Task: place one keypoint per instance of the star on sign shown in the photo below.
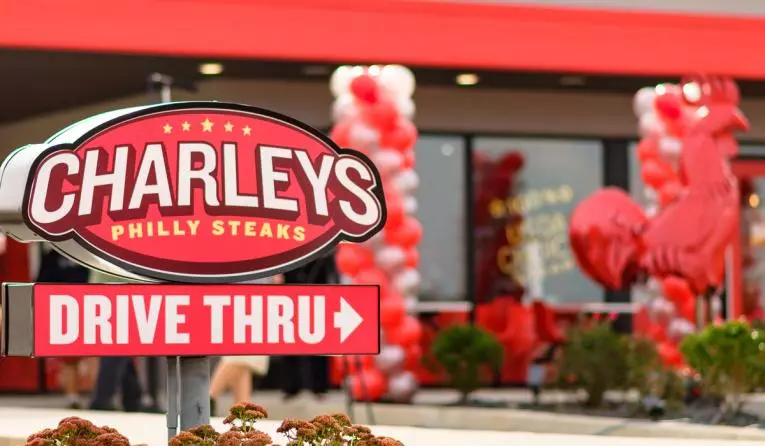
(167, 128)
(207, 125)
(185, 126)
(246, 130)
(228, 126)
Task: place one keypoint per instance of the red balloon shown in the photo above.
(657, 333)
(395, 212)
(402, 137)
(412, 258)
(382, 115)
(669, 192)
(369, 385)
(364, 88)
(669, 106)
(371, 276)
(407, 334)
(341, 132)
(677, 291)
(669, 354)
(408, 234)
(351, 259)
(413, 357)
(392, 311)
(647, 149)
(409, 160)
(687, 310)
(511, 163)
(656, 173)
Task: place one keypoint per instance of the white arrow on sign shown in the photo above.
(347, 320)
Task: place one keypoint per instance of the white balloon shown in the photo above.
(405, 106)
(679, 328)
(652, 210)
(407, 181)
(398, 80)
(407, 281)
(670, 147)
(390, 257)
(363, 137)
(344, 107)
(643, 101)
(661, 307)
(402, 387)
(650, 125)
(387, 160)
(650, 195)
(391, 358)
(374, 242)
(340, 82)
(653, 286)
(410, 205)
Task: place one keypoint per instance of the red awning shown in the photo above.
(416, 32)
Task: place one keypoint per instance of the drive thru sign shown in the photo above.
(205, 194)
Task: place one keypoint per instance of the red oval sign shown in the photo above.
(204, 192)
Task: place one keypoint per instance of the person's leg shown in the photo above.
(68, 379)
(241, 385)
(292, 375)
(110, 371)
(132, 393)
(319, 374)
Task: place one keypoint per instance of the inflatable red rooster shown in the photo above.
(618, 244)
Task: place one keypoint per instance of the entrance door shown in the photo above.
(746, 260)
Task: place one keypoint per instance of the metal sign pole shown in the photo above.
(195, 391)
(172, 396)
(187, 377)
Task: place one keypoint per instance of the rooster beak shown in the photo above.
(739, 120)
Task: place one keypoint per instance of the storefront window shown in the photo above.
(441, 210)
(637, 188)
(525, 190)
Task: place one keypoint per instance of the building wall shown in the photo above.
(438, 109)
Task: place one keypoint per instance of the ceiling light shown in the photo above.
(210, 69)
(316, 70)
(573, 81)
(467, 79)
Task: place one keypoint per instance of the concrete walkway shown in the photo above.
(17, 423)
(432, 412)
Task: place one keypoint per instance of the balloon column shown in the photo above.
(372, 112)
(678, 241)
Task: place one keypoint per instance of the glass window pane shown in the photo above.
(522, 217)
(637, 187)
(752, 149)
(441, 210)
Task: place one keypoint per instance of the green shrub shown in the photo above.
(465, 353)
(730, 360)
(595, 359)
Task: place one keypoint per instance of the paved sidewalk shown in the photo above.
(16, 424)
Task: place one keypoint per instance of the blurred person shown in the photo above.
(116, 372)
(237, 373)
(310, 372)
(55, 268)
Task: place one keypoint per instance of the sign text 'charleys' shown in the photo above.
(199, 191)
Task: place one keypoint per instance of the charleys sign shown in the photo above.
(196, 192)
(191, 192)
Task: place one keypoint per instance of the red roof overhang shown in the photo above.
(416, 32)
